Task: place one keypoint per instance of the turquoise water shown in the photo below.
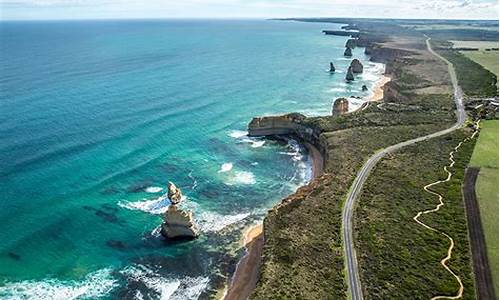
(97, 116)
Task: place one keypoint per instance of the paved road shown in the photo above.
(354, 283)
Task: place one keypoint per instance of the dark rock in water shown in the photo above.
(139, 187)
(351, 43)
(110, 191)
(368, 50)
(348, 52)
(356, 66)
(350, 75)
(14, 256)
(364, 88)
(119, 245)
(340, 106)
(332, 68)
(108, 217)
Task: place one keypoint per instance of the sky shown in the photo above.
(129, 9)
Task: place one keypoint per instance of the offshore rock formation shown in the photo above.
(351, 43)
(174, 194)
(364, 88)
(340, 106)
(348, 52)
(356, 66)
(332, 68)
(350, 75)
(178, 223)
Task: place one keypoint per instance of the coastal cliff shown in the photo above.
(291, 125)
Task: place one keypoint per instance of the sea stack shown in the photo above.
(351, 43)
(350, 75)
(356, 66)
(332, 68)
(348, 52)
(340, 106)
(178, 223)
(364, 88)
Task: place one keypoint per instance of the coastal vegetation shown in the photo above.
(399, 258)
(485, 157)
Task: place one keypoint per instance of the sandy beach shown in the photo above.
(378, 90)
(246, 275)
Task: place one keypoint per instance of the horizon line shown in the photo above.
(236, 18)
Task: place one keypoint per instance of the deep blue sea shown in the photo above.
(97, 116)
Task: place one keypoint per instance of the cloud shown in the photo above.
(248, 8)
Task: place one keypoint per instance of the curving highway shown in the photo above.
(354, 284)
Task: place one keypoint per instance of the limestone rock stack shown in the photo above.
(356, 66)
(348, 52)
(351, 43)
(178, 223)
(332, 68)
(340, 106)
(350, 75)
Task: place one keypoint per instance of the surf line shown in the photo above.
(441, 203)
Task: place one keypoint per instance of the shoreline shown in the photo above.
(246, 275)
(378, 91)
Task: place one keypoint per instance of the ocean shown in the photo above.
(97, 116)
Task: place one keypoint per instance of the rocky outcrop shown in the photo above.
(350, 75)
(276, 125)
(351, 43)
(174, 194)
(290, 125)
(364, 88)
(340, 106)
(392, 94)
(348, 52)
(356, 66)
(341, 33)
(178, 223)
(332, 68)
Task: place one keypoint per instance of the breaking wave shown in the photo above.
(226, 167)
(166, 288)
(94, 285)
(153, 189)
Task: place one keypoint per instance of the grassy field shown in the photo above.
(487, 59)
(486, 157)
(474, 79)
(399, 258)
(474, 44)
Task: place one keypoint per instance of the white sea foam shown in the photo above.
(226, 167)
(257, 144)
(155, 206)
(213, 222)
(206, 221)
(153, 189)
(237, 133)
(241, 177)
(94, 285)
(167, 288)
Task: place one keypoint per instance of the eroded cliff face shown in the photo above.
(289, 125)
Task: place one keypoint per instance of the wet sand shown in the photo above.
(378, 90)
(247, 271)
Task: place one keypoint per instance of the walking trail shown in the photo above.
(437, 208)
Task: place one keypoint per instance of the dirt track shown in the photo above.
(484, 281)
